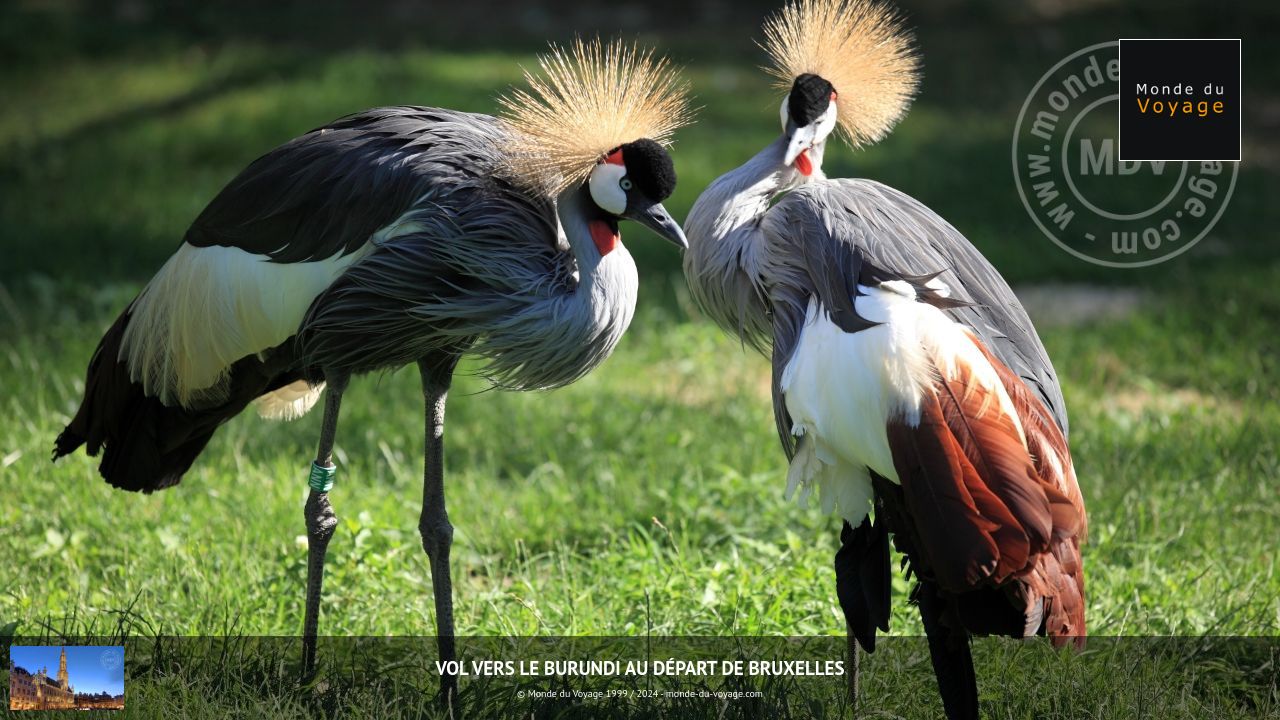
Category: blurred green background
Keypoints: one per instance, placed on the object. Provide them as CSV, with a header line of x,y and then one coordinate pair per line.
x,y
648,497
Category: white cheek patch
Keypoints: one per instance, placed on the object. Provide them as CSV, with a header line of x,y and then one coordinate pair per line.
x,y
826,123
605,188
783,113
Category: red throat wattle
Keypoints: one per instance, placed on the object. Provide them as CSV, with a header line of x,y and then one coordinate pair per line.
x,y
605,236
804,164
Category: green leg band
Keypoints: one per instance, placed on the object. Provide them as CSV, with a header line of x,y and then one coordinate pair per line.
x,y
321,479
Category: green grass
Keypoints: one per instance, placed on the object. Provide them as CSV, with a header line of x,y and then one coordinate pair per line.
x,y
645,499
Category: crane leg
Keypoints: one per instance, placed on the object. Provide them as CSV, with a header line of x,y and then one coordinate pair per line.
x,y
952,659
862,585
320,519
852,677
433,524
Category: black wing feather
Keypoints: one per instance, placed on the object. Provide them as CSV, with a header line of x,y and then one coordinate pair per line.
x,y
862,580
326,192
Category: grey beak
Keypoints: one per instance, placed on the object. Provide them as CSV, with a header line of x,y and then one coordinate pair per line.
x,y
801,139
656,218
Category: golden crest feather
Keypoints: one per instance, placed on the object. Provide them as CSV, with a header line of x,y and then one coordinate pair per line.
x,y
588,100
860,47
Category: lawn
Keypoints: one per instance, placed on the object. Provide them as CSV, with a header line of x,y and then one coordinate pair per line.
x,y
647,498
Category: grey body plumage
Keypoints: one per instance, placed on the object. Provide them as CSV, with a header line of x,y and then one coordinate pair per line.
x,y
462,258
893,230
756,258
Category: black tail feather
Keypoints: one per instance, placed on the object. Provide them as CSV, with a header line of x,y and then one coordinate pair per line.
x,y
862,580
146,445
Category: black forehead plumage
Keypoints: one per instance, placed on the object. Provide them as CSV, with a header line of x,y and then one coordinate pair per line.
x,y
810,95
650,168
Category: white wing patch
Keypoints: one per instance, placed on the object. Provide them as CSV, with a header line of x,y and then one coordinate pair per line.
x,y
211,306
841,486
289,402
842,389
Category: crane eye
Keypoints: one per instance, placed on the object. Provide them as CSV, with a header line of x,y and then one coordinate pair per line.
x,y
624,183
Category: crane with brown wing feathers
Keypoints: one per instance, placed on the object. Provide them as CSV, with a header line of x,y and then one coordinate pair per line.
x,y
911,393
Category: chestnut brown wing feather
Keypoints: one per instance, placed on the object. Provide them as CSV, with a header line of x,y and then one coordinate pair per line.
x,y
989,508
991,444
1044,439
936,480
1059,572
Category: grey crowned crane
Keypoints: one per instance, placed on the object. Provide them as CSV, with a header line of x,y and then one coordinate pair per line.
x,y
910,389
395,235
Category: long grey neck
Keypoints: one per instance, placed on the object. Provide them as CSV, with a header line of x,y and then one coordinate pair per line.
x,y
594,317
726,244
542,329
608,283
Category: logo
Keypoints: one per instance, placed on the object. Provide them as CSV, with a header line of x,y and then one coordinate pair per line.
x,y
1180,99
112,658
1101,209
